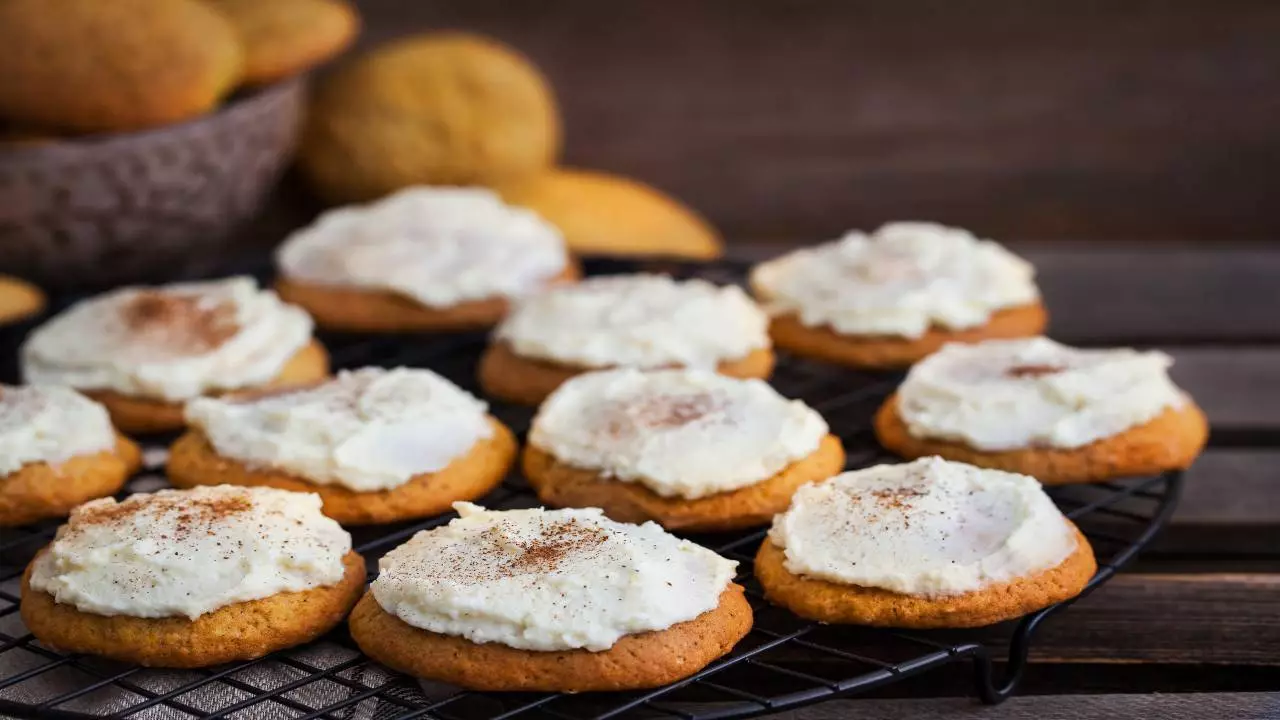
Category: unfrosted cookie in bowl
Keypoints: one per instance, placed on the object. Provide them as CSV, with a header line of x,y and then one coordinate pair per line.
x,y
423,259
691,450
57,450
1034,406
617,321
550,600
376,445
144,351
887,299
192,578
927,544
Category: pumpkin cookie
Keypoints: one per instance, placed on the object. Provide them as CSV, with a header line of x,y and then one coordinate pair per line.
x,y
423,259
143,352
443,108
930,544
57,450
603,214
1042,409
562,600
641,321
376,445
887,299
19,300
283,38
192,578
636,444
93,66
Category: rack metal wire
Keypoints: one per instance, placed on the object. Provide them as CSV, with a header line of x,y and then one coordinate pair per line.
x,y
785,662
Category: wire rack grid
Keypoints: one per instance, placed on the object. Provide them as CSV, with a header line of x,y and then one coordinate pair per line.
x,y
783,663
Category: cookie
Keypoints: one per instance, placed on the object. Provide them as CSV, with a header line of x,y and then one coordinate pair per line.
x,y
645,660
927,544
421,259
635,444
829,602
147,415
619,321
40,490
194,462
92,66
602,214
1036,407
444,108
194,577
560,600
19,300
282,38
887,299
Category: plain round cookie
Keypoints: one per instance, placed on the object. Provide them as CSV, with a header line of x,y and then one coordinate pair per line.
x,y
886,352
282,38
637,661
90,65
193,461
1170,441
528,381
830,602
349,309
146,415
40,490
241,631
561,485
19,300
444,108
602,214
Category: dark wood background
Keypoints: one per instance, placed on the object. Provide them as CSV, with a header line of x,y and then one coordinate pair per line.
x,y
792,121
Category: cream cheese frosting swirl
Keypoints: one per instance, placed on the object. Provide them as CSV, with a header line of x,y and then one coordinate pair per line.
x,y
655,428
1034,392
365,430
437,246
898,281
173,342
548,580
641,320
928,528
49,424
184,553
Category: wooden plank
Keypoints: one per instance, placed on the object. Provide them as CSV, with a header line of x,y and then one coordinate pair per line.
x,y
1238,388
1198,706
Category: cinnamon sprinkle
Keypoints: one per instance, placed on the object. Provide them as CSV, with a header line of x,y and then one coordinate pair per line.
x,y
1025,371
185,323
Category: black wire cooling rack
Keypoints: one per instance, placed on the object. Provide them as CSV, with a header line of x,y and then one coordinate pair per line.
x,y
783,663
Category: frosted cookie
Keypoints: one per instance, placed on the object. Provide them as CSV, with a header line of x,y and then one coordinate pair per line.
x,y
144,351
887,299
640,321
57,450
192,578
560,600
19,300
1035,407
376,445
689,449
422,259
928,544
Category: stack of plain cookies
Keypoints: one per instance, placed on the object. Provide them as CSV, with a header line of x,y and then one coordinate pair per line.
x,y
654,416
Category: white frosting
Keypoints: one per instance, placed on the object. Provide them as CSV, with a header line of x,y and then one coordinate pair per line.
x,y
930,527
49,424
173,342
1009,394
899,281
637,321
655,428
548,579
371,429
437,246
184,553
